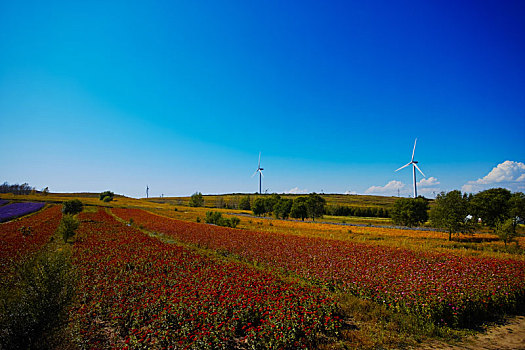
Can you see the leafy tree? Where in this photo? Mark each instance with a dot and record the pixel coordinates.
(106, 196)
(409, 211)
(299, 209)
(505, 230)
(259, 207)
(492, 205)
(72, 207)
(196, 200)
(450, 212)
(315, 205)
(270, 202)
(216, 218)
(68, 226)
(244, 203)
(517, 207)
(282, 208)
(45, 191)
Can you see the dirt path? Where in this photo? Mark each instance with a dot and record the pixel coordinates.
(509, 335)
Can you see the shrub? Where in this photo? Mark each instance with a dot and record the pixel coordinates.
(67, 227)
(245, 204)
(34, 305)
(106, 194)
(409, 211)
(72, 207)
(196, 200)
(216, 218)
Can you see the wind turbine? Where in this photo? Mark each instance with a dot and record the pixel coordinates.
(259, 170)
(414, 166)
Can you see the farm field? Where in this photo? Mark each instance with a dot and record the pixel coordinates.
(21, 238)
(232, 200)
(479, 244)
(150, 276)
(14, 210)
(155, 294)
(443, 288)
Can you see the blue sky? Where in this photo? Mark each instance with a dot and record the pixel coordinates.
(182, 96)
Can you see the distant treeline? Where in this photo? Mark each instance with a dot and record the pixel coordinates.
(16, 188)
(344, 210)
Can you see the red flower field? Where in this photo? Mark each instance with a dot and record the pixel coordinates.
(139, 292)
(443, 288)
(22, 237)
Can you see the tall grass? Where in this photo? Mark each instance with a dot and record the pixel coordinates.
(34, 305)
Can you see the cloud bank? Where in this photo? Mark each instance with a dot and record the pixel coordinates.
(509, 174)
(388, 189)
(297, 190)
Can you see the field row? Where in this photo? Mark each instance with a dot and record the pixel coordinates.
(22, 237)
(139, 292)
(443, 288)
(14, 210)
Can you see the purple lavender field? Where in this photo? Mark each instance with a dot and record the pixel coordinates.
(3, 201)
(11, 211)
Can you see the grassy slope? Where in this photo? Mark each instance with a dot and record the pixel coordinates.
(331, 199)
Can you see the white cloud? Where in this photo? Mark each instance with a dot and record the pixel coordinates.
(430, 182)
(296, 190)
(390, 188)
(509, 174)
(428, 187)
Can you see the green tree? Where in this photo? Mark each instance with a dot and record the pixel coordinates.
(299, 209)
(409, 211)
(67, 227)
(505, 230)
(450, 212)
(259, 207)
(196, 200)
(315, 205)
(517, 207)
(270, 202)
(72, 207)
(106, 196)
(282, 208)
(492, 205)
(244, 203)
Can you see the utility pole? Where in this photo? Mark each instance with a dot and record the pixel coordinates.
(147, 191)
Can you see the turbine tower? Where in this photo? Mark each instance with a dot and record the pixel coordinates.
(414, 167)
(259, 170)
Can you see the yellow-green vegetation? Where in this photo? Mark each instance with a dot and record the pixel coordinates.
(232, 200)
(367, 324)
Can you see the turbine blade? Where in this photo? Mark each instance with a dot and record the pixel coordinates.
(261, 173)
(414, 150)
(258, 166)
(255, 173)
(419, 170)
(404, 166)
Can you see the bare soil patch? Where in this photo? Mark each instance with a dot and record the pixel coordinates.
(506, 335)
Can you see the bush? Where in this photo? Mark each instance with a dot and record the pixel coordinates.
(245, 204)
(106, 194)
(72, 207)
(34, 305)
(196, 200)
(67, 227)
(410, 211)
(216, 218)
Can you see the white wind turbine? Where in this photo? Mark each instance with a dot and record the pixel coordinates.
(259, 170)
(414, 166)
